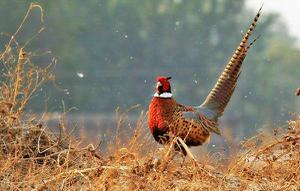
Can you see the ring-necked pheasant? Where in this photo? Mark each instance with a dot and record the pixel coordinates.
(194, 124)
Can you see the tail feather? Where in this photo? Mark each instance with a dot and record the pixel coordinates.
(221, 93)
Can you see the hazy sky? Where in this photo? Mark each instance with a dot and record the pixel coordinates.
(288, 9)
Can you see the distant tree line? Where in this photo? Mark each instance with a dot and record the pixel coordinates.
(109, 53)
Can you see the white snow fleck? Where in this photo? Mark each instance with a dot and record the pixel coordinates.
(145, 81)
(195, 81)
(131, 57)
(80, 75)
(177, 23)
(66, 91)
(125, 36)
(245, 96)
(213, 145)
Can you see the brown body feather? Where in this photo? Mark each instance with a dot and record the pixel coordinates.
(167, 116)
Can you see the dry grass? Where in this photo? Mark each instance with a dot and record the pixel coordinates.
(33, 158)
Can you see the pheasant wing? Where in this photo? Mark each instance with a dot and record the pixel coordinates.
(202, 120)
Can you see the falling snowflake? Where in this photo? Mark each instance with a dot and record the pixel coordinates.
(66, 91)
(80, 75)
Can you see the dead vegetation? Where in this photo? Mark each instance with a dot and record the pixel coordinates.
(34, 158)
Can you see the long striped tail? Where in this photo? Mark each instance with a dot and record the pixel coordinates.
(219, 96)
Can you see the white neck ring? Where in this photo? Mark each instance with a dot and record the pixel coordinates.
(163, 95)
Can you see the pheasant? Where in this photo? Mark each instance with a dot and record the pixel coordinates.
(194, 124)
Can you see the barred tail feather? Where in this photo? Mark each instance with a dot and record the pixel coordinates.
(221, 93)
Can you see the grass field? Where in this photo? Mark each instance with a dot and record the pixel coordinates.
(35, 158)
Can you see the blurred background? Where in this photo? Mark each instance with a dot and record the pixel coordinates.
(110, 51)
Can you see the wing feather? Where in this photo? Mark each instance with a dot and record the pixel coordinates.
(201, 119)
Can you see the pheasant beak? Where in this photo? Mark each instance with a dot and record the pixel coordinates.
(159, 88)
(158, 84)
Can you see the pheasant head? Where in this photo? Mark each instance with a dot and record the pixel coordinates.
(163, 87)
